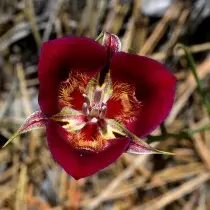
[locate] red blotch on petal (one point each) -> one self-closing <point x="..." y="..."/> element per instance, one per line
<point x="80" y="163"/>
<point x="155" y="89"/>
<point x="59" y="57"/>
<point x="114" y="108"/>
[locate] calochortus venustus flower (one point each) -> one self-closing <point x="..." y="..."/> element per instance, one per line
<point x="97" y="102"/>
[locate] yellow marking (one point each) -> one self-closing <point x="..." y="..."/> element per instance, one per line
<point x="122" y="93"/>
<point x="76" y="81"/>
<point x="91" y="86"/>
<point x="79" y="141"/>
<point x="125" y="102"/>
<point x="107" y="88"/>
<point x="125" y="94"/>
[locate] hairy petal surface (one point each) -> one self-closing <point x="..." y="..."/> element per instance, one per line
<point x="61" y="56"/>
<point x="154" y="89"/>
<point x="80" y="163"/>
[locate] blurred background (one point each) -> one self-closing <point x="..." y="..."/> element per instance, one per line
<point x="31" y="180"/>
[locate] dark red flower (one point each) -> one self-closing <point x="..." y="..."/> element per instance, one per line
<point x="96" y="102"/>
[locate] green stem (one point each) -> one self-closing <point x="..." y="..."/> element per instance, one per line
<point x="163" y="128"/>
<point x="204" y="128"/>
<point x="181" y="135"/>
<point x="192" y="66"/>
<point x="100" y="36"/>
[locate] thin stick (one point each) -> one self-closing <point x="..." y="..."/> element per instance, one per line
<point x="160" y="29"/>
<point x="93" y="204"/>
<point x="193" y="69"/>
<point x="30" y="14"/>
<point x="53" y="15"/>
<point x="27" y="107"/>
<point x="179" y="52"/>
<point x="175" y="194"/>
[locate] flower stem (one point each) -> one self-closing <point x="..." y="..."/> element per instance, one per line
<point x="193" y="69"/>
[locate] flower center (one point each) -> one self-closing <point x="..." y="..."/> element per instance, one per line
<point x="95" y="101"/>
<point x="94" y="111"/>
<point x="88" y="108"/>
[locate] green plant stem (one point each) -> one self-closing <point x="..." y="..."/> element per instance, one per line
<point x="163" y="128"/>
<point x="181" y="135"/>
<point x="193" y="69"/>
<point x="100" y="36"/>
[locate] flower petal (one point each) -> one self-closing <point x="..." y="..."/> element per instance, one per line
<point x="81" y="163"/>
<point x="58" y="58"/>
<point x="155" y="89"/>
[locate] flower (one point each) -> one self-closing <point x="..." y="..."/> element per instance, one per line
<point x="96" y="102"/>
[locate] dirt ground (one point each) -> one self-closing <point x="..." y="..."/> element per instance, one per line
<point x="29" y="177"/>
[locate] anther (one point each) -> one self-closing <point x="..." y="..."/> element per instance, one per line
<point x="85" y="109"/>
<point x="103" y="111"/>
<point x="86" y="99"/>
<point x="94" y="120"/>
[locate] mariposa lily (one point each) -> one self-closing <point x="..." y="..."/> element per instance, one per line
<point x="98" y="102"/>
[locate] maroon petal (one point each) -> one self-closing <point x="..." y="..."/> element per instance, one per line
<point x="81" y="163"/>
<point x="58" y="58"/>
<point x="155" y="89"/>
<point x="114" y="108"/>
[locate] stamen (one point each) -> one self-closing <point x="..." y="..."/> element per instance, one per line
<point x="86" y="99"/>
<point x="103" y="111"/>
<point x="85" y="109"/>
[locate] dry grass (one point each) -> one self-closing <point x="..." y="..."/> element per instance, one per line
<point x="29" y="178"/>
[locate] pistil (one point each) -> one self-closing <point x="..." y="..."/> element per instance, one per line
<point x="97" y="109"/>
